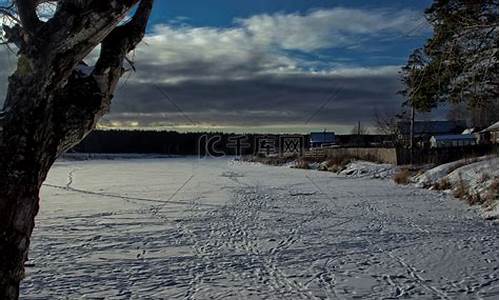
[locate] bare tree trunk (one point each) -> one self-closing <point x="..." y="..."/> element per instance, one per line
<point x="51" y="106"/>
<point x="16" y="237"/>
<point x="22" y="170"/>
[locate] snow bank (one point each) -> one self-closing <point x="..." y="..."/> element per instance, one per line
<point x="437" y="173"/>
<point x="476" y="176"/>
<point x="475" y="171"/>
<point x="361" y="168"/>
<point x="354" y="169"/>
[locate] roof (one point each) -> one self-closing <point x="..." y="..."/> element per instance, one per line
<point x="492" y="127"/>
<point x="469" y="131"/>
<point x="323" y="137"/>
<point x="432" y="127"/>
<point x="454" y="137"/>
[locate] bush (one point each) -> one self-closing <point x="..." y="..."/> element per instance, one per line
<point x="402" y="176"/>
<point x="484" y="177"/>
<point x="492" y="194"/>
<point x="443" y="184"/>
<point x="338" y="163"/>
<point x="462" y="189"/>
<point x="474" y="199"/>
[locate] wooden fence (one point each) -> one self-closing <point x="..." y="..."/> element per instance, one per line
<point x="384" y="155"/>
<point x="402" y="156"/>
<point x="442" y="155"/>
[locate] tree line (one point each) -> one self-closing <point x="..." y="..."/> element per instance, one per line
<point x="206" y="143"/>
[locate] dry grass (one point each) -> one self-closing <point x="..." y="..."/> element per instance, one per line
<point x="402" y="176"/>
<point x="302" y="164"/>
<point x="492" y="194"/>
<point x="484" y="177"/>
<point x="462" y="189"/>
<point x="273" y="161"/>
<point x="340" y="160"/>
<point x="443" y="184"/>
<point x="474" y="198"/>
<point x="339" y="163"/>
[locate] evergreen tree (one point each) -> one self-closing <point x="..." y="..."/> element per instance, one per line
<point x="459" y="63"/>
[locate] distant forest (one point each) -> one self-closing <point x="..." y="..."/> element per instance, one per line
<point x="170" y="142"/>
<point x="214" y="143"/>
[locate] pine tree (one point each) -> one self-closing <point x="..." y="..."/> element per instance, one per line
<point x="459" y="63"/>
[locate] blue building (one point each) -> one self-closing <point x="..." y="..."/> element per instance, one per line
<point x="452" y="140"/>
<point x="322" y="139"/>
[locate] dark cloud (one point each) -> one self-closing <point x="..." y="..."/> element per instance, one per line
<point x="266" y="70"/>
<point x="273" y="99"/>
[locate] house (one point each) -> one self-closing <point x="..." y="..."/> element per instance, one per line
<point x="489" y="135"/>
<point x="452" y="140"/>
<point x="423" y="130"/>
<point x="322" y="139"/>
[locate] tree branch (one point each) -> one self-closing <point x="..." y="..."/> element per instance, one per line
<point x="27" y="14"/>
<point x="14" y="35"/>
<point x="122" y="40"/>
<point x="84" y="19"/>
<point x="59" y="44"/>
<point x="83" y="101"/>
<point x="8" y="11"/>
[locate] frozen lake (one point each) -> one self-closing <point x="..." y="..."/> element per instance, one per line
<point x="183" y="228"/>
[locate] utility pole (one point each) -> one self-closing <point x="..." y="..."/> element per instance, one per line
<point x="359" y="134"/>
<point x="412" y="133"/>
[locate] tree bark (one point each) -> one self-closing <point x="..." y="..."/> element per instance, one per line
<point x="50" y="106"/>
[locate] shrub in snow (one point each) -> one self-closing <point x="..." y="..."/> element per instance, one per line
<point x="442" y="185"/>
<point x="402" y="176"/>
<point x="462" y="188"/>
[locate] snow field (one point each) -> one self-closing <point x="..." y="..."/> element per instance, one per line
<point x="183" y="228"/>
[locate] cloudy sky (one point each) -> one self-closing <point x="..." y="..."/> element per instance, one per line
<point x="260" y="65"/>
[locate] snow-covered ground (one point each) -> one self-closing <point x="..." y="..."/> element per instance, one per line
<point x="183" y="228"/>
